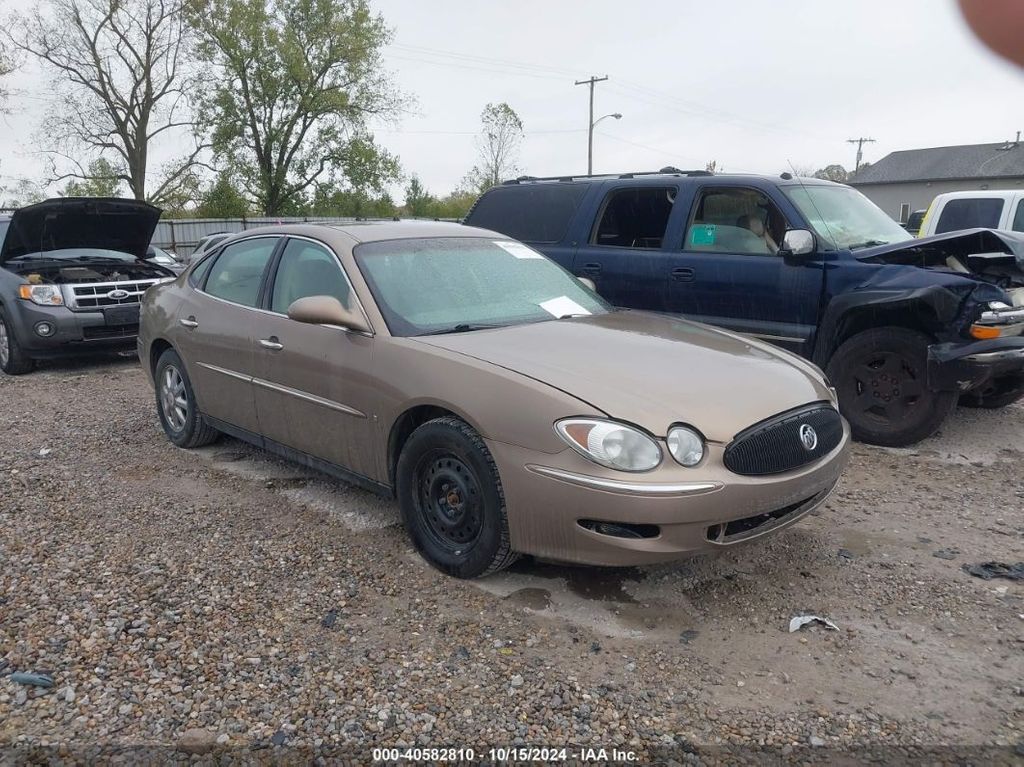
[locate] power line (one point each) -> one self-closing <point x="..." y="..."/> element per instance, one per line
<point x="860" y="142"/>
<point x="591" y="82"/>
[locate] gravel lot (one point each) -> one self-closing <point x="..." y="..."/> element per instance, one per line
<point x="190" y="599"/>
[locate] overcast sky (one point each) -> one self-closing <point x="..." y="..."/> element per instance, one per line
<point x="754" y="85"/>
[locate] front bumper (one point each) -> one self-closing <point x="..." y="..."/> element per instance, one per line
<point x="965" y="366"/>
<point x="74" y="332"/>
<point x="554" y="501"/>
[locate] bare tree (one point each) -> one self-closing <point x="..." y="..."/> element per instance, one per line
<point x="6" y="67"/>
<point x="121" y="73"/>
<point x="497" y="147"/>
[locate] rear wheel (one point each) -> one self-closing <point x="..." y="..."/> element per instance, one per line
<point x="881" y="376"/>
<point x="996" y="394"/>
<point x="176" y="404"/>
<point x="452" y="500"/>
<point x="13" y="359"/>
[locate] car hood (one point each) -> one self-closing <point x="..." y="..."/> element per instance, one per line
<point x="125" y="226"/>
<point x="934" y="250"/>
<point x="651" y="370"/>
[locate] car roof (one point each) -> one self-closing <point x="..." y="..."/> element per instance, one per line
<point x="979" y="193"/>
<point x="658" y="178"/>
<point x="376" y="231"/>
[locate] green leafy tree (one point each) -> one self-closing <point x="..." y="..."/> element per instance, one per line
<point x="832" y="173"/>
<point x="497" y="148"/>
<point x="223" y="199"/>
<point x="121" y="71"/>
<point x="296" y="83"/>
<point x="352" y="203"/>
<point x="419" y="203"/>
<point x="103" y="180"/>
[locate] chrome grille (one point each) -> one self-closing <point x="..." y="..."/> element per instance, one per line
<point x="775" y="445"/>
<point x="97" y="295"/>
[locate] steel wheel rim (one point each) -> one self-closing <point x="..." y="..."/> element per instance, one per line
<point x="449" y="500"/>
<point x="5" y="343"/>
<point x="173" y="398"/>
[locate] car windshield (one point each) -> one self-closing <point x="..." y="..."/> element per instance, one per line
<point x="76" y="254"/>
<point x="457" y="284"/>
<point x="844" y="218"/>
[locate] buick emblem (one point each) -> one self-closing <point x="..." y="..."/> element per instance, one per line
<point x="118" y="294"/>
<point x="808" y="437"/>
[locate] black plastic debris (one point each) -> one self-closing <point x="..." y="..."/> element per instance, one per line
<point x="946" y="553"/>
<point x="35" y="680"/>
<point x="990" y="570"/>
<point x="330" y="619"/>
<point x="688" y="636"/>
<point x="846" y="554"/>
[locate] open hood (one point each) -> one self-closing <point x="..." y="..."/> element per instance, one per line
<point x="68" y="223"/>
<point x="931" y="251"/>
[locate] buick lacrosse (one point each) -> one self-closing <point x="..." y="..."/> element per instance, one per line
<point x="507" y="407"/>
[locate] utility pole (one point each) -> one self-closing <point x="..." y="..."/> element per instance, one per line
<point x="860" y="142"/>
<point x="590" y="123"/>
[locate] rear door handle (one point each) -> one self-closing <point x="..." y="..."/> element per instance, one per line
<point x="271" y="343"/>
<point x="189" y="323"/>
<point x="592" y="269"/>
<point x="683" y="274"/>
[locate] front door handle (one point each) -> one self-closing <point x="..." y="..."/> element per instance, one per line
<point x="592" y="269"/>
<point x="189" y="323"/>
<point x="271" y="343"/>
<point x="683" y="274"/>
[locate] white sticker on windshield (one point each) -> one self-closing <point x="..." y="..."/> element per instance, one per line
<point x="561" y="306"/>
<point x="517" y="249"/>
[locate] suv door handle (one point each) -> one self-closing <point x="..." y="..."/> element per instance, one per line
<point x="592" y="269"/>
<point x="683" y="274"/>
<point x="189" y="323"/>
<point x="271" y="343"/>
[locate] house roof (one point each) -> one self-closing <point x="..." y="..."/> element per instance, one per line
<point x="970" y="161"/>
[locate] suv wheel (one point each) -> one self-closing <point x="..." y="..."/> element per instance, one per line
<point x="452" y="501"/>
<point x="176" y="404"/>
<point x="882" y="380"/>
<point x="995" y="394"/>
<point x="13" y="360"/>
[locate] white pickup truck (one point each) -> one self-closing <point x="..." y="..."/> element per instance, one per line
<point x="991" y="209"/>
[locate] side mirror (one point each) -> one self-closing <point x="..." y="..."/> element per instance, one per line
<point x="798" y="242"/>
<point x="588" y="282"/>
<point x="326" y="310"/>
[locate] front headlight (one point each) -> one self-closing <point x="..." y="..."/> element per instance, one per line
<point x="609" y="443"/>
<point x="685" y="445"/>
<point x="44" y="295"/>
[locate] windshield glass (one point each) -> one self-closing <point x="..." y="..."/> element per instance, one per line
<point x="453" y="284"/>
<point x="844" y="218"/>
<point x="77" y="254"/>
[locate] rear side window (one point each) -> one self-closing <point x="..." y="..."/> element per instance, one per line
<point x="1018" y="219"/>
<point x="195" y="277"/>
<point x="237" y="272"/>
<point x="528" y="212"/>
<point x="969" y="213"/>
<point x="635" y="218"/>
<point x="3" y="231"/>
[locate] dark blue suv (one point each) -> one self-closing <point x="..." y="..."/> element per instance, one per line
<point x="904" y="328"/>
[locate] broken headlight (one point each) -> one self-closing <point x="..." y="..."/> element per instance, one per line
<point x="998" y="320"/>
<point x="44" y="295"/>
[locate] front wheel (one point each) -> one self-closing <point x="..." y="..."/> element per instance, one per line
<point x="13" y="359"/>
<point x="452" y="501"/>
<point x="881" y="376"/>
<point x="176" y="404"/>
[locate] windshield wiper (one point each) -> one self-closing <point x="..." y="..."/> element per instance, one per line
<point x="464" y="327"/>
<point x="867" y="244"/>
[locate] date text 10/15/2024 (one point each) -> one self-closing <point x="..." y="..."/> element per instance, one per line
<point x="503" y="754"/>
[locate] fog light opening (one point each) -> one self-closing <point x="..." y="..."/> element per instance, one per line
<point x="620" y="529"/>
<point x="45" y="329"/>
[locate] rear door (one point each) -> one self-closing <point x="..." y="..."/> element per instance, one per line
<point x="625" y="249"/>
<point x="725" y="269"/>
<point x="216" y="342"/>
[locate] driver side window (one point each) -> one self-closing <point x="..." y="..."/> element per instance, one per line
<point x="307" y="269"/>
<point x="735" y="220"/>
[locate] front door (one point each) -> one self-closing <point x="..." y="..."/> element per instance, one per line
<point x="729" y="272"/>
<point x="216" y="340"/>
<point x="312" y="382"/>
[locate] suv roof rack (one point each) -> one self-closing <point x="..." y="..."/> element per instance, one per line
<point x="666" y="171"/>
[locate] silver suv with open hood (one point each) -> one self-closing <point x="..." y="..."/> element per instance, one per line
<point x="72" y="274"/>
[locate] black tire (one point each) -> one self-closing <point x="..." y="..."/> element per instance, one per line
<point x="183" y="423"/>
<point x="13" y="359"/>
<point x="995" y="394"/>
<point x="452" y="501"/>
<point x="881" y="376"/>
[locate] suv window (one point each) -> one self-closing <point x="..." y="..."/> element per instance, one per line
<point x="968" y="213"/>
<point x="728" y="220"/>
<point x="528" y="212"/>
<point x="307" y="269"/>
<point x="3" y="230"/>
<point x="635" y="218"/>
<point x="237" y="272"/>
<point x="1018" y="219"/>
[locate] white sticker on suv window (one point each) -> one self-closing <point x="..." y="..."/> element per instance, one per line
<point x="517" y="249"/>
<point x="561" y="306"/>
